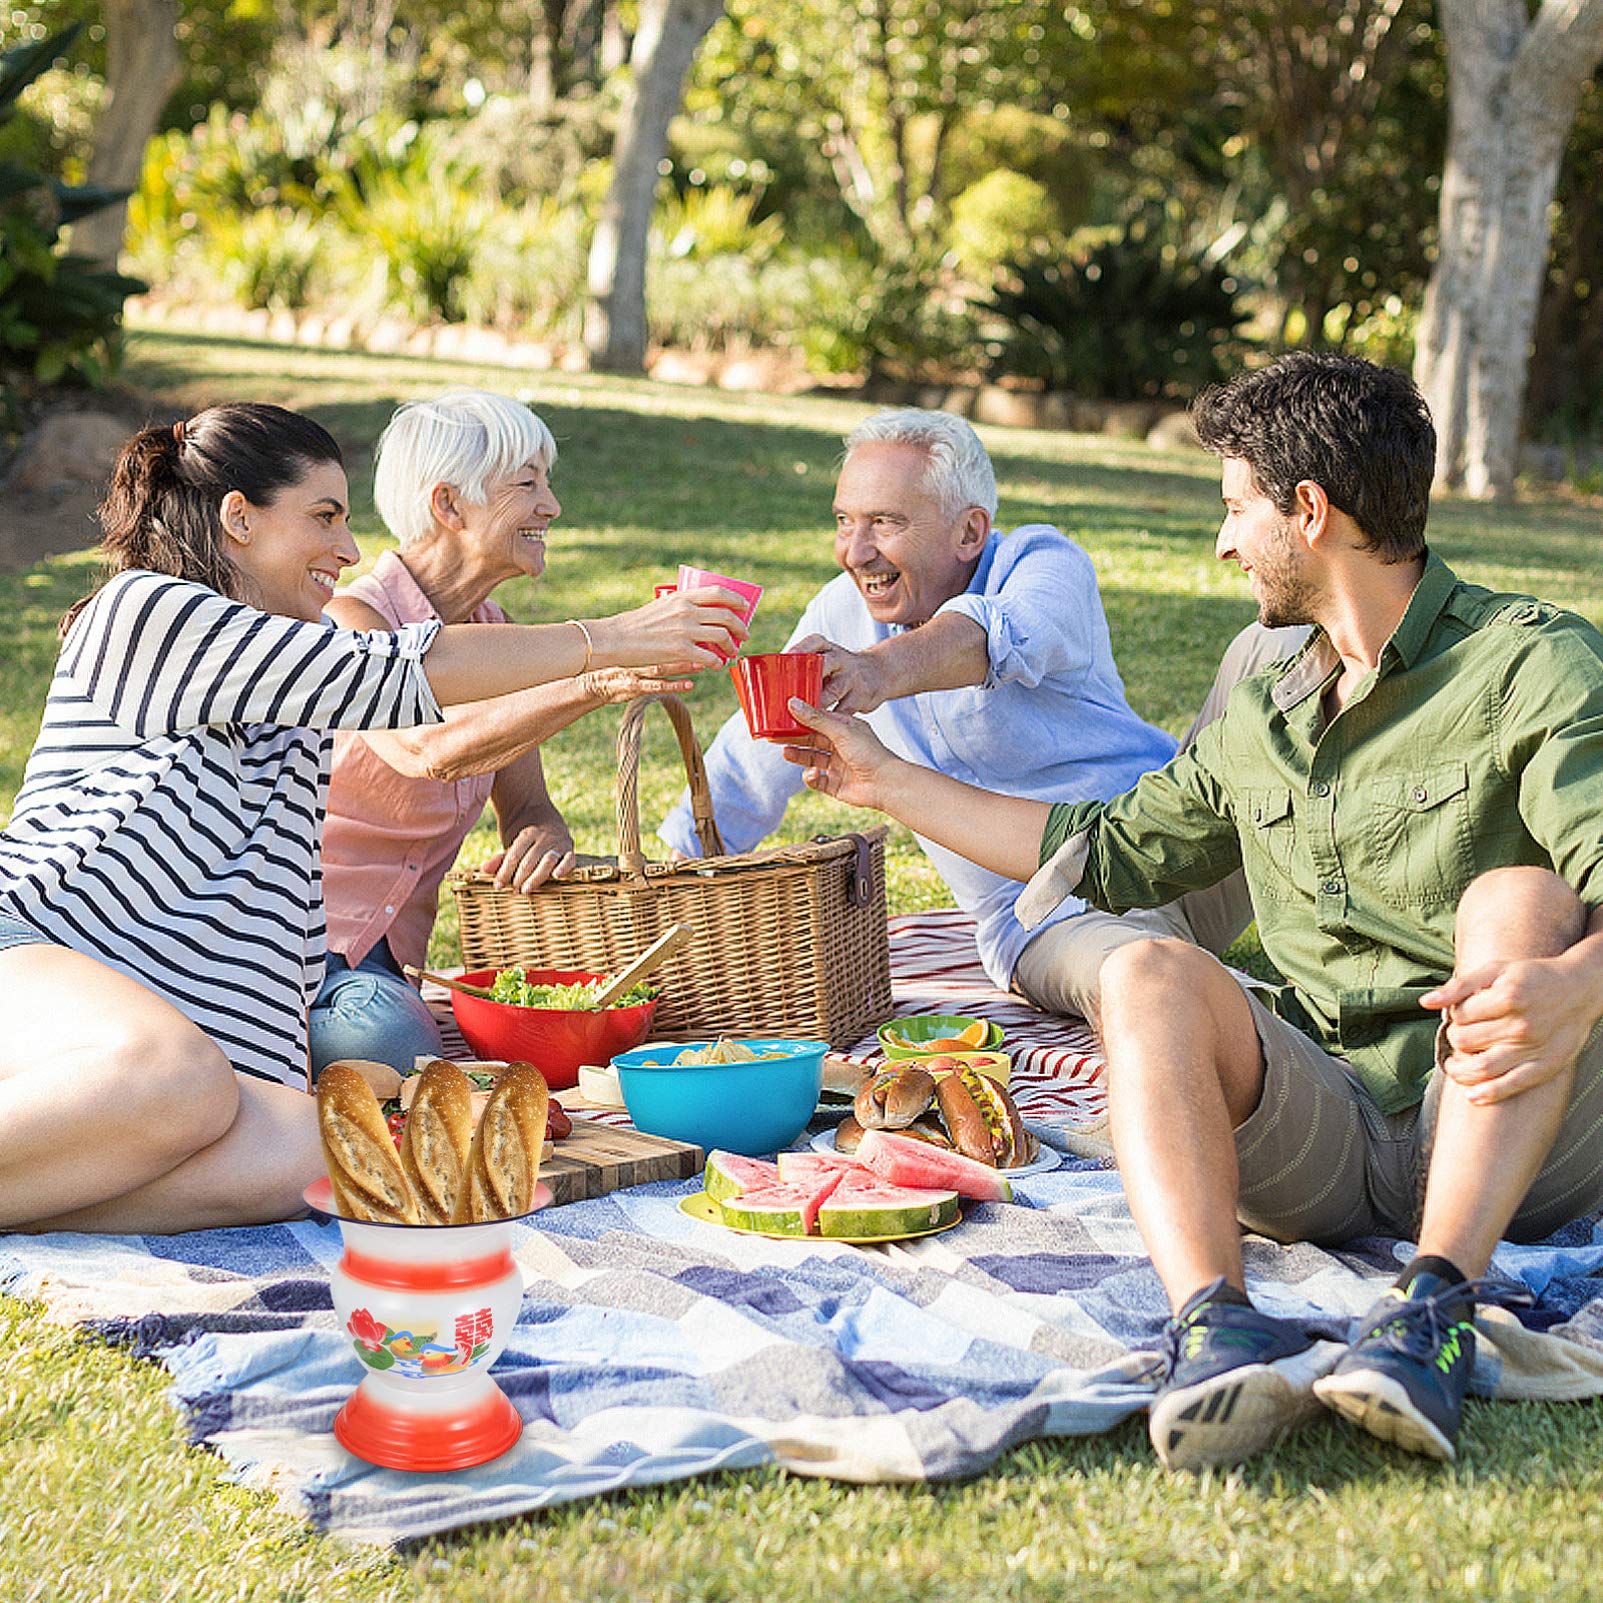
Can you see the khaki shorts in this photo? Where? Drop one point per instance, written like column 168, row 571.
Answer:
column 1320, row 1162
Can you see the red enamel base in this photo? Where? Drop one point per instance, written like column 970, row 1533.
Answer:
column 427, row 1441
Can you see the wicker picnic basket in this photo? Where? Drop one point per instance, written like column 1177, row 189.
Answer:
column 786, row 941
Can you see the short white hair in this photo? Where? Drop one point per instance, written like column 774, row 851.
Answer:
column 465, row 438
column 959, row 474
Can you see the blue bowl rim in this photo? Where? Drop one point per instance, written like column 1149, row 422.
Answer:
column 798, row 1049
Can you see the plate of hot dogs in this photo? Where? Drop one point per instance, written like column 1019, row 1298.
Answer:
column 962, row 1111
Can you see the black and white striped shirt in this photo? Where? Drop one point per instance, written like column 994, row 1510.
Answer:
column 170, row 818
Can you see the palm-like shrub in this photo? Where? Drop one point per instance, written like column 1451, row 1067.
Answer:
column 424, row 213
column 1133, row 318
column 60, row 314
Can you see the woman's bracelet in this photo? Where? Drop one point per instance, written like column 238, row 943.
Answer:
column 589, row 645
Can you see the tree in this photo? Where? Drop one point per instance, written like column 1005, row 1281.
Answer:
column 1294, row 101
column 879, row 88
column 665, row 44
column 142, row 70
column 1562, row 393
column 1514, row 83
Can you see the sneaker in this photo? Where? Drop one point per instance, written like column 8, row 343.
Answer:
column 1404, row 1375
column 1234, row 1381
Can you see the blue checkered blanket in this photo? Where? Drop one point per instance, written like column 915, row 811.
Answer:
column 653, row 1347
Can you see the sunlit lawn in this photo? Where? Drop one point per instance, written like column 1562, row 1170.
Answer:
column 103, row 1499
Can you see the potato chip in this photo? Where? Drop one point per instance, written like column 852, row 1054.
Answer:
column 724, row 1050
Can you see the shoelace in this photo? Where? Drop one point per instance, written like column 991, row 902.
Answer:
column 1418, row 1326
column 1184, row 1338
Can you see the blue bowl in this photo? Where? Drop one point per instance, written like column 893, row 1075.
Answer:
column 749, row 1108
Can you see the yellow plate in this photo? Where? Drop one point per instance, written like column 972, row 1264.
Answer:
column 702, row 1207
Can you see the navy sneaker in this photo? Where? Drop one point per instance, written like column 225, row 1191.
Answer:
column 1404, row 1375
column 1234, row 1381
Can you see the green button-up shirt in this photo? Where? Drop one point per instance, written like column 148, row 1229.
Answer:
column 1476, row 743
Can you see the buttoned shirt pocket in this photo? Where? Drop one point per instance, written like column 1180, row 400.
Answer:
column 1419, row 837
column 1269, row 842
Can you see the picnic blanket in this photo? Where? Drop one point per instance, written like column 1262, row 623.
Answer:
column 653, row 1347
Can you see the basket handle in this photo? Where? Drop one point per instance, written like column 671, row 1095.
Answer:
column 631, row 860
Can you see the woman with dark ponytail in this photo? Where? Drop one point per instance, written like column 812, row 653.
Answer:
column 161, row 924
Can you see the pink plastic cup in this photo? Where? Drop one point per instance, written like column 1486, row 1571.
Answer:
column 765, row 685
column 694, row 578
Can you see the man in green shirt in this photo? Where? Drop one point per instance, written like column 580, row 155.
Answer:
column 1416, row 798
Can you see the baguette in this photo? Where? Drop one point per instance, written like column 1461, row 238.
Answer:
column 439, row 1133
column 504, row 1162
column 363, row 1168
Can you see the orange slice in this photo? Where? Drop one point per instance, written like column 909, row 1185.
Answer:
column 975, row 1035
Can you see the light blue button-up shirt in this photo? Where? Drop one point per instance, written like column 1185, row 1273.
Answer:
column 1050, row 722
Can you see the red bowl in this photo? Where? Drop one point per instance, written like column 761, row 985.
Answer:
column 555, row 1040
column 765, row 684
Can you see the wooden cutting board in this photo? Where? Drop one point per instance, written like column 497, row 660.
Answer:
column 598, row 1158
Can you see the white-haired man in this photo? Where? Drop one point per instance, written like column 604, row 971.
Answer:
column 986, row 656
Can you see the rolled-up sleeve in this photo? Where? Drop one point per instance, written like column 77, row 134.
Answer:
column 1039, row 611
column 1173, row 832
column 1550, row 737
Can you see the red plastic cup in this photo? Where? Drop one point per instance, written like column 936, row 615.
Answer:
column 694, row 578
column 765, row 685
column 658, row 591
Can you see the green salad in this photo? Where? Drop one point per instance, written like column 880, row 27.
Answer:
column 512, row 985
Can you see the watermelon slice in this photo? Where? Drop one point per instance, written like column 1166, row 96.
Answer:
column 729, row 1175
column 906, row 1162
column 860, row 1209
column 860, row 1179
column 800, row 1168
column 779, row 1210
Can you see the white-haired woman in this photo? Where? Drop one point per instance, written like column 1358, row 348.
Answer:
column 463, row 482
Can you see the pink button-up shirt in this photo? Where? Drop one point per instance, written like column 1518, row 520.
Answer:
column 389, row 839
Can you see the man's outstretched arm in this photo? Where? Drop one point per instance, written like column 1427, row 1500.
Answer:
column 847, row 761
column 950, row 652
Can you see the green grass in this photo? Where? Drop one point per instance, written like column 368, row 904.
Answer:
column 103, row 1499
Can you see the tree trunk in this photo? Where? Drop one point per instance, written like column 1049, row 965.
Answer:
column 142, row 70
column 550, row 45
column 615, row 321
column 614, row 39
column 1513, row 89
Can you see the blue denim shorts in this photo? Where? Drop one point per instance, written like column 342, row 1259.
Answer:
column 16, row 932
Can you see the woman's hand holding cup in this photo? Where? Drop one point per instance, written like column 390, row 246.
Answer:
column 678, row 633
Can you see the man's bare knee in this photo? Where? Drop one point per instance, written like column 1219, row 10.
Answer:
column 1136, row 975
column 1530, row 909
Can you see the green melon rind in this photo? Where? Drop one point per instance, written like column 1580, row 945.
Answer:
column 720, row 1183
column 862, row 1220
column 768, row 1221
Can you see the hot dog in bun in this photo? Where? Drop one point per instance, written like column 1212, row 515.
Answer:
column 948, row 1103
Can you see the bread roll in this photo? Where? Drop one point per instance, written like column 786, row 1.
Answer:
column 386, row 1083
column 363, row 1168
column 504, row 1163
column 439, row 1132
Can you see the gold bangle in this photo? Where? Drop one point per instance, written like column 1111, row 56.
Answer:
column 589, row 645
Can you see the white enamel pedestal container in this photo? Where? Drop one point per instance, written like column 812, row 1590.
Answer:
column 428, row 1309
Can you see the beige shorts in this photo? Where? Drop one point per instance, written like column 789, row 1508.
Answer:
column 1320, row 1162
